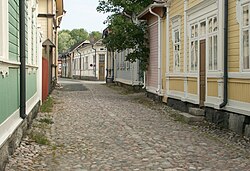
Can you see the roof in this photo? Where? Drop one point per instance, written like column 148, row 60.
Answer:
column 77, row 45
column 48, row 42
column 156, row 4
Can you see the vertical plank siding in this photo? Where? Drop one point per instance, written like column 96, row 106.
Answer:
column 152, row 73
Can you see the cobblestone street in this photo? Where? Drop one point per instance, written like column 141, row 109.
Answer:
column 108, row 128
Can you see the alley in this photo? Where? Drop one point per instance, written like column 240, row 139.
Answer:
column 97, row 127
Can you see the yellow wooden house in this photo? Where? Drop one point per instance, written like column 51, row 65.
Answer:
column 207, row 59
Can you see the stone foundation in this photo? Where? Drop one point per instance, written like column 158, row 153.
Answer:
column 236, row 122
column 14, row 140
column 155, row 97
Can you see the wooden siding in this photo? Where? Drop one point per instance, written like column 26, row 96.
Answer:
column 13, row 29
column 192, row 86
column 239, row 90
column 212, row 87
column 9, row 99
column 152, row 73
column 31, row 83
column 192, row 3
column 163, row 56
column 176, row 84
column 233, row 39
column 176, row 8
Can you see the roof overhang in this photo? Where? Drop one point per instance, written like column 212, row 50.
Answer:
column 146, row 11
column 59, row 11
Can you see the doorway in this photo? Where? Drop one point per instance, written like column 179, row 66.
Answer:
column 101, row 67
column 202, row 72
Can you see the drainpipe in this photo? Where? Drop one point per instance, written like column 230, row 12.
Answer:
column 80, row 62
column 159, row 49
column 22, row 49
column 225, row 98
column 95, row 58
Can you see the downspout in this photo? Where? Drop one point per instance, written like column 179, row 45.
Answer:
column 95, row 59
column 22, row 49
column 159, row 49
column 225, row 78
column 80, row 63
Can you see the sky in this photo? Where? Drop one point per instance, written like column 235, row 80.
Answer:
column 83, row 14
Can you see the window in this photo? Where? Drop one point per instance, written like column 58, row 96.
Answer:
column 101, row 58
column 177, row 50
column 176, row 36
column 4, row 29
column 212, row 44
column 245, row 38
column 86, row 64
column 194, row 48
column 206, row 29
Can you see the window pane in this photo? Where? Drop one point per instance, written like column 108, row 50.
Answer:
column 210, row 25
column 215, row 24
column 246, row 49
column 210, row 53
column 215, row 53
column 196, row 30
column 245, row 15
column 192, row 56
column 196, row 54
column 203, row 28
column 192, row 32
column 177, row 39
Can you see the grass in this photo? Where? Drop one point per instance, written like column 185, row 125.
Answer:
column 46, row 120
column 39, row 138
column 47, row 106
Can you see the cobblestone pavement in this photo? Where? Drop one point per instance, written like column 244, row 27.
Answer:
column 103, row 128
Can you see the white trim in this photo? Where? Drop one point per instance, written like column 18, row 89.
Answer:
column 175, row 94
column 238, row 107
column 240, row 75
column 153, row 90
column 191, row 98
column 213, row 102
column 4, row 30
column 8, row 127
column 128, row 82
column 32, row 102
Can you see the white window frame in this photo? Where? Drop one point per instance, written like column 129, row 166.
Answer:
column 194, row 39
column 176, row 22
column 212, row 35
column 4, row 29
column 242, row 29
column 177, row 67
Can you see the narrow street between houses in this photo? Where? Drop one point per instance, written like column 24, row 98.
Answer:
column 104, row 127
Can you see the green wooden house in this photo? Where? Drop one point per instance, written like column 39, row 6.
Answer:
column 20, row 81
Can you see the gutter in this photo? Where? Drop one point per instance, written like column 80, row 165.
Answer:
column 225, row 78
column 159, row 49
column 22, row 50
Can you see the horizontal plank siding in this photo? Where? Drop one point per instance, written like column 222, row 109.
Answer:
column 13, row 29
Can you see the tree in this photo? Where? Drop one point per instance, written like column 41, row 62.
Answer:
column 94, row 36
column 125, row 32
column 65, row 41
column 79, row 35
column 68, row 38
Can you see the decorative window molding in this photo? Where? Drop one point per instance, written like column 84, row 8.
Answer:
column 212, row 43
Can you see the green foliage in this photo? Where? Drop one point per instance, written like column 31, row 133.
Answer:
column 68, row 38
column 94, row 36
column 47, row 106
column 79, row 35
column 65, row 41
column 125, row 31
column 39, row 138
